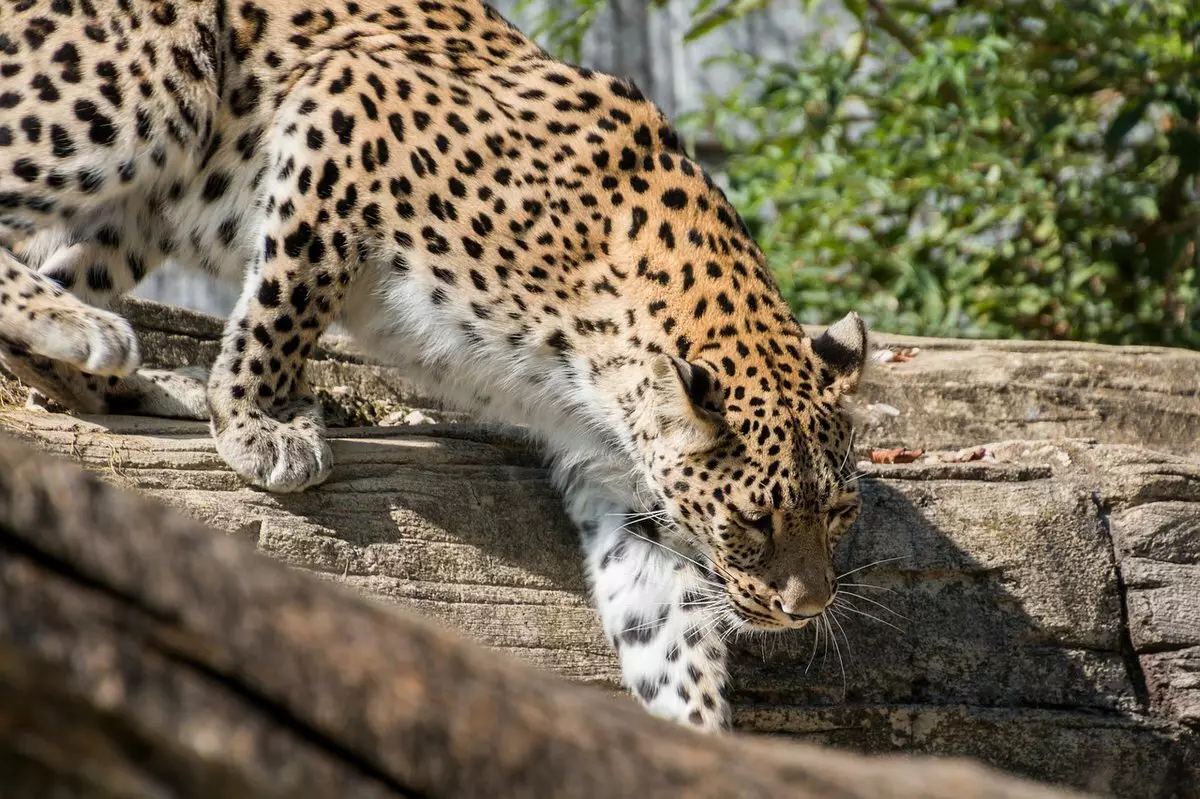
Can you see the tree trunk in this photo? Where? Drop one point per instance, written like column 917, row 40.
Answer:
column 1047, row 594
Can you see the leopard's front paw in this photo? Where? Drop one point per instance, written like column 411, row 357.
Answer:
column 280, row 456
column 92, row 340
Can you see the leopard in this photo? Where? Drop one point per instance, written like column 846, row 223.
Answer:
column 527, row 239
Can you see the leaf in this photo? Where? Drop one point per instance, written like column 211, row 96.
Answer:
column 1122, row 124
column 1024, row 221
column 968, row 455
column 1145, row 208
column 726, row 13
column 903, row 354
column 895, row 455
column 853, row 44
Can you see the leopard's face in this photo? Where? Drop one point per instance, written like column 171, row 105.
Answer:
column 768, row 518
column 763, row 486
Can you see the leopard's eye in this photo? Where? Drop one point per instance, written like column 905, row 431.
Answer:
column 755, row 521
column 840, row 518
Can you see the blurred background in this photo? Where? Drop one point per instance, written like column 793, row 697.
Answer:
column 992, row 168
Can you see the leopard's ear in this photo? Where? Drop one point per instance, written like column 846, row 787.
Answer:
column 680, row 389
column 843, row 348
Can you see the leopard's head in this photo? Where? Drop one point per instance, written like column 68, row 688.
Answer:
column 752, row 462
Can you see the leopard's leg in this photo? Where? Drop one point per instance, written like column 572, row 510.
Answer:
column 97, row 263
column 659, row 610
column 162, row 393
column 144, row 392
column 39, row 318
column 176, row 394
column 71, row 385
column 165, row 393
column 77, row 205
column 268, row 427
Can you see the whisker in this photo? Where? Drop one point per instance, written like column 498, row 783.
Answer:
column 838, row 649
column 875, row 563
column 633, row 514
column 774, row 639
column 706, row 607
column 816, row 634
column 715, row 629
column 651, row 514
column 648, row 625
column 675, row 600
column 870, row 616
column 835, row 618
column 712, row 602
column 703, row 569
column 876, row 604
column 706, row 602
column 727, row 633
column 665, row 548
column 846, row 638
column 868, row 585
column 658, row 517
column 707, row 589
column 630, row 520
column 824, row 643
column 708, row 625
column 849, row 449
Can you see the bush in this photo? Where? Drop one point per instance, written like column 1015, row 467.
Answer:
column 1001, row 168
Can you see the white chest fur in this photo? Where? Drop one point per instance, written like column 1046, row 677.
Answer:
column 396, row 320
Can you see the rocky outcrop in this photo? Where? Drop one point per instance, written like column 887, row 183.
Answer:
column 1033, row 601
column 954, row 393
column 143, row 655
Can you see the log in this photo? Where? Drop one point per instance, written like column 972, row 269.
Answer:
column 142, row 655
column 1048, row 591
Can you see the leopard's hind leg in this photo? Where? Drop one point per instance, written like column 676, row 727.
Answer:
column 81, row 194
column 172, row 394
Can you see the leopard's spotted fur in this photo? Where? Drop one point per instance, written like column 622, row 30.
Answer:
column 525, row 236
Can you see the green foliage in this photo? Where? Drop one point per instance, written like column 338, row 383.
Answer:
column 1006, row 168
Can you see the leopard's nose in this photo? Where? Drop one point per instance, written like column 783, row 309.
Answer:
column 798, row 610
column 799, row 600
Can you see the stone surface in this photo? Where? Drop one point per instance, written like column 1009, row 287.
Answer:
column 144, row 656
column 1046, row 594
column 957, row 393
column 1009, row 645
column 1159, row 546
column 953, row 394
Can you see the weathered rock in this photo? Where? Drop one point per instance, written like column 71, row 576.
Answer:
column 142, row 656
column 954, row 393
column 1159, row 546
column 1045, row 590
column 1013, row 645
column 957, row 393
